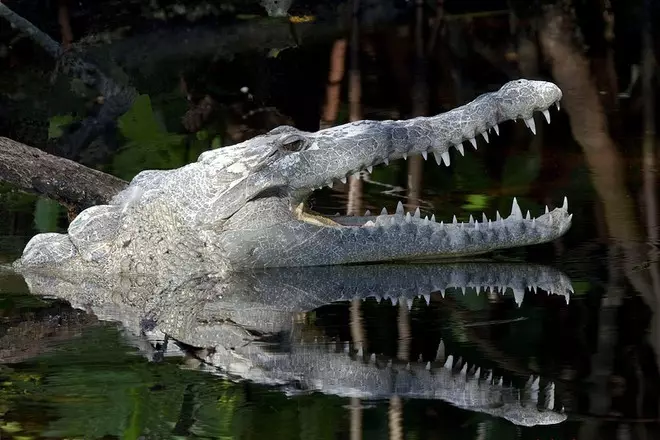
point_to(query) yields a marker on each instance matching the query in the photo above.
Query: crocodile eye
(293, 142)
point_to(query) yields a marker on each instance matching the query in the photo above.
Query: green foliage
(57, 123)
(148, 144)
(46, 215)
(15, 201)
(476, 202)
(581, 288)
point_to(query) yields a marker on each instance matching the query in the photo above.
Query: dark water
(101, 361)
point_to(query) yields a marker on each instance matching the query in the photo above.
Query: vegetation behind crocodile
(243, 206)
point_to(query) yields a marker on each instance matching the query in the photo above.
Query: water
(288, 355)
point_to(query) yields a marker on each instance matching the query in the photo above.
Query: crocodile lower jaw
(302, 213)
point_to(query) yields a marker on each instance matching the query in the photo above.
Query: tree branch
(75, 186)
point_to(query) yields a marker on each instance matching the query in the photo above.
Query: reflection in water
(242, 327)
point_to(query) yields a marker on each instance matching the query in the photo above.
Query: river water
(338, 352)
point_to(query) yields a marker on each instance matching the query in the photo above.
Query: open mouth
(558, 218)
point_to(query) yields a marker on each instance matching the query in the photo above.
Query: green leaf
(149, 146)
(56, 124)
(217, 142)
(476, 202)
(46, 215)
(202, 135)
(139, 123)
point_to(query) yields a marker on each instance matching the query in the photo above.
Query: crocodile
(244, 206)
(245, 325)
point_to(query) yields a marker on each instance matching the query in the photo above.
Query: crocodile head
(295, 163)
(245, 204)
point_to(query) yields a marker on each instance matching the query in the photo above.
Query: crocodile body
(242, 206)
(230, 325)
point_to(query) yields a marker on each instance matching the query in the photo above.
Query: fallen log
(73, 185)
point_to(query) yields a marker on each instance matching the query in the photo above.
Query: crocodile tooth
(497, 129)
(433, 218)
(460, 149)
(428, 366)
(528, 216)
(550, 396)
(425, 155)
(546, 113)
(498, 216)
(546, 209)
(464, 370)
(454, 220)
(417, 213)
(330, 184)
(558, 106)
(438, 158)
(356, 175)
(531, 124)
(484, 219)
(426, 221)
(427, 298)
(485, 135)
(516, 213)
(386, 161)
(476, 225)
(440, 352)
(343, 179)
(408, 218)
(405, 156)
(477, 374)
(369, 224)
(450, 362)
(565, 205)
(399, 208)
(473, 141)
(471, 219)
(445, 158)
(367, 213)
(370, 169)
(533, 221)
